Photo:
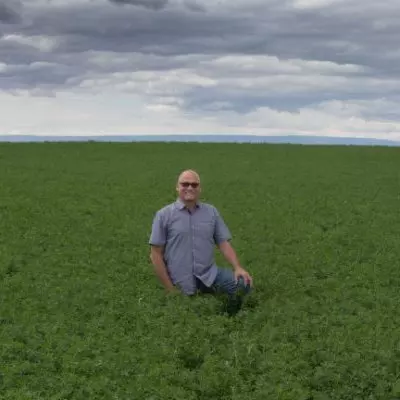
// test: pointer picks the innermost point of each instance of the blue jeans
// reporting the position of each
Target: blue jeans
(225, 283)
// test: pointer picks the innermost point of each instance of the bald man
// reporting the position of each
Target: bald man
(183, 237)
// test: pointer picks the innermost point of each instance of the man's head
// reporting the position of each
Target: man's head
(188, 186)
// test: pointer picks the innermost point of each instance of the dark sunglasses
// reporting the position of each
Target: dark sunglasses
(192, 184)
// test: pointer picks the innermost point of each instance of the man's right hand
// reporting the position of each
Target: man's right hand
(157, 259)
(172, 291)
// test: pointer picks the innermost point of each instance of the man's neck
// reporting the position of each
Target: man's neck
(190, 205)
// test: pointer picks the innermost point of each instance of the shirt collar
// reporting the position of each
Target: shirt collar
(181, 205)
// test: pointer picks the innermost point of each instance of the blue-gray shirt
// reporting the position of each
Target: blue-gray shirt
(189, 239)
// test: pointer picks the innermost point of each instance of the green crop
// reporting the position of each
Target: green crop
(82, 315)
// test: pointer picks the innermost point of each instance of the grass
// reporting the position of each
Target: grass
(82, 315)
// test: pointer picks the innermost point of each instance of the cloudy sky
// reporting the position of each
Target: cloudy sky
(318, 67)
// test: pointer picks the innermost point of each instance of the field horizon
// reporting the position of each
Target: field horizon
(307, 140)
(83, 316)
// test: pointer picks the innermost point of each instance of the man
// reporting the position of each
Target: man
(184, 235)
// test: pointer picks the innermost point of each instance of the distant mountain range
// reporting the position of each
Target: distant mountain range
(290, 139)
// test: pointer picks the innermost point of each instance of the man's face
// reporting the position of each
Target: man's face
(188, 187)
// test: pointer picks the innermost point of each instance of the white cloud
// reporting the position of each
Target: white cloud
(315, 3)
(325, 120)
(41, 43)
(113, 113)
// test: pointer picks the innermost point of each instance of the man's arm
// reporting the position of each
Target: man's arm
(230, 256)
(157, 259)
(229, 253)
(158, 239)
(222, 237)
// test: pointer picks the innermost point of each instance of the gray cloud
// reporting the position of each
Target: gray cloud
(9, 12)
(176, 37)
(330, 34)
(151, 4)
(157, 5)
(194, 6)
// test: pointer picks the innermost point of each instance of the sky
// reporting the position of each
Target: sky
(264, 67)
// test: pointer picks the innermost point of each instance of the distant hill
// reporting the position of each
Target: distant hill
(293, 139)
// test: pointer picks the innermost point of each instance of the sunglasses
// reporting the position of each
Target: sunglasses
(194, 185)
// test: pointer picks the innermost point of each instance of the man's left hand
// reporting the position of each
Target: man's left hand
(241, 272)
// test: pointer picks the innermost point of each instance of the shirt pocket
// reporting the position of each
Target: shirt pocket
(205, 229)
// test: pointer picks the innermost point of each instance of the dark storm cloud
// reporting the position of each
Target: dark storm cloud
(333, 34)
(169, 32)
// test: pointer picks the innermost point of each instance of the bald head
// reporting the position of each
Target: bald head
(189, 175)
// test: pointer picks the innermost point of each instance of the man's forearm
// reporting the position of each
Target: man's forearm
(229, 254)
(161, 271)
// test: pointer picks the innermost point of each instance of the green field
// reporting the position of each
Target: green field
(82, 315)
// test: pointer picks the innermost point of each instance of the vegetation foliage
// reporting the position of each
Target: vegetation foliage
(82, 315)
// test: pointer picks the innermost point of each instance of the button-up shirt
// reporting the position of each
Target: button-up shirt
(189, 239)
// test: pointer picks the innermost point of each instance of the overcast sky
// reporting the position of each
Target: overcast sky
(319, 67)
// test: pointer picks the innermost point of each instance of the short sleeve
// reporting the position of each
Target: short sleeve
(158, 231)
(221, 232)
